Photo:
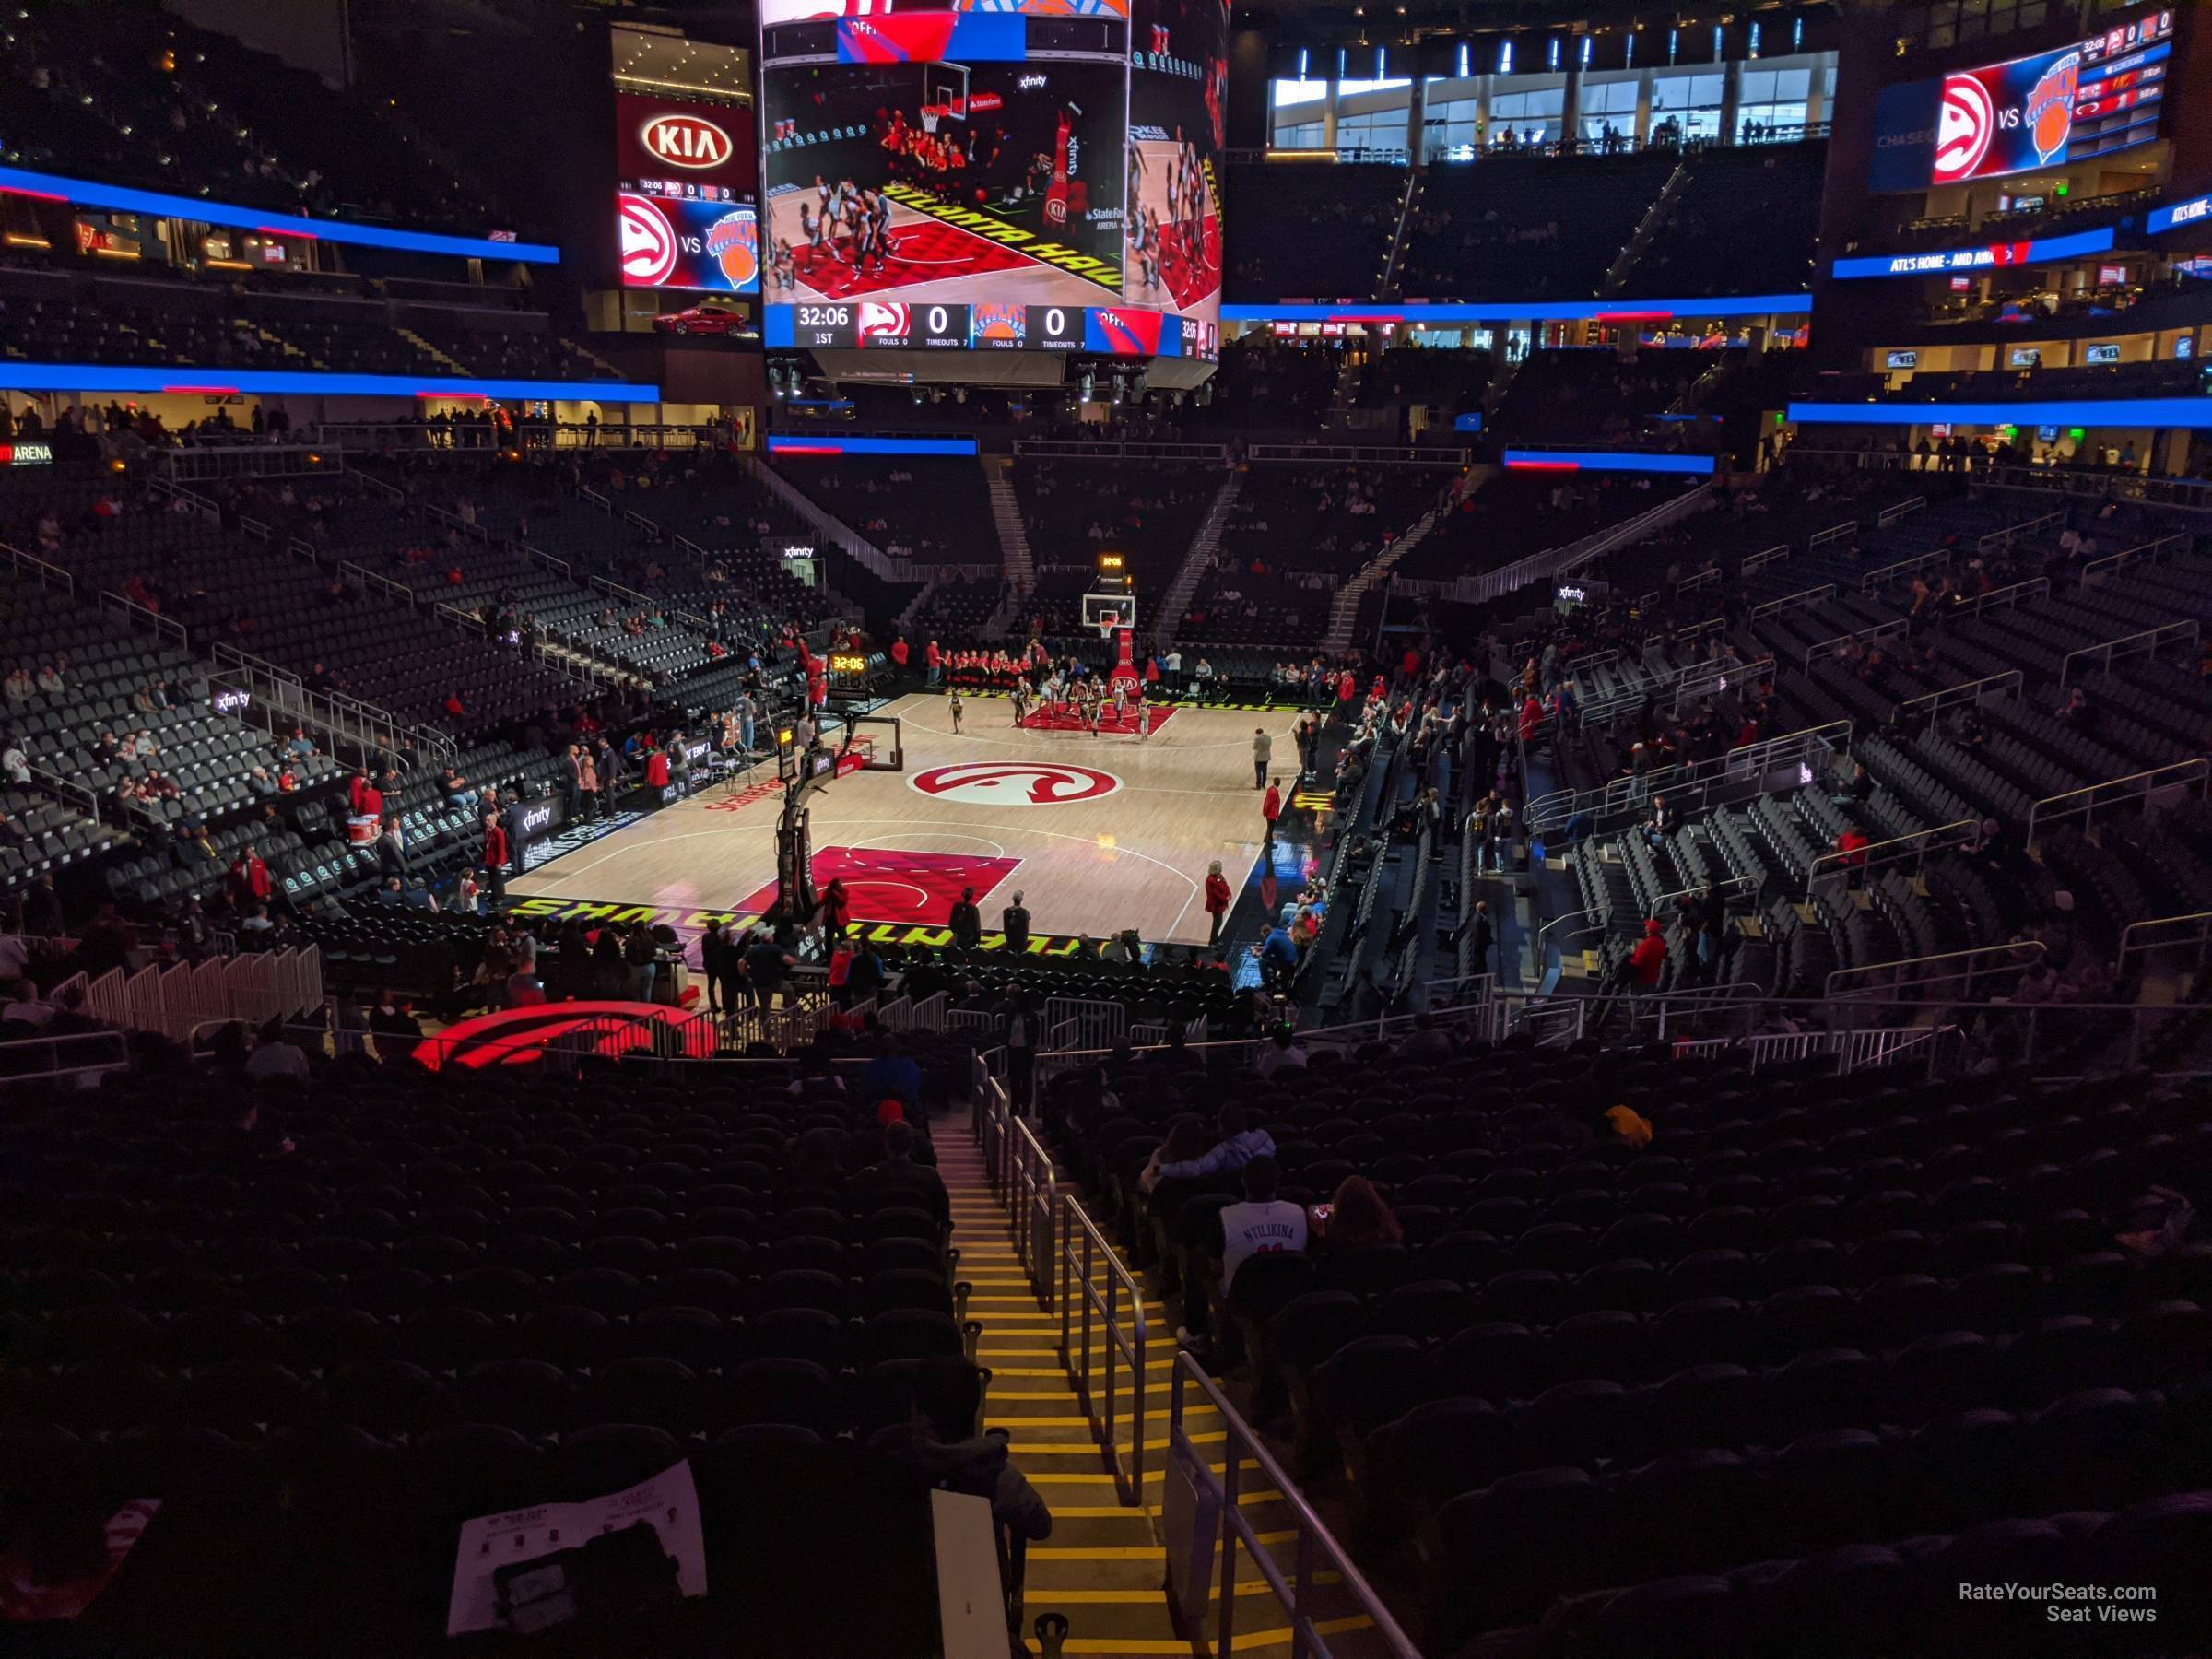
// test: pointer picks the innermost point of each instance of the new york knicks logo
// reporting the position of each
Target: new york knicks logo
(2050, 108)
(734, 243)
(1014, 783)
(1964, 127)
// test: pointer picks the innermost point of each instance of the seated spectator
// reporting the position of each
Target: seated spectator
(892, 1074)
(898, 1173)
(26, 1008)
(1236, 1147)
(1259, 1225)
(941, 1439)
(1356, 1219)
(272, 1056)
(1282, 1052)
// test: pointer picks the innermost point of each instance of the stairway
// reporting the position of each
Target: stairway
(430, 351)
(1344, 608)
(1102, 1566)
(1013, 554)
(1167, 616)
(1105, 1567)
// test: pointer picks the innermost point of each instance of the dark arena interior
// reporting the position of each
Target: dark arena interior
(953, 828)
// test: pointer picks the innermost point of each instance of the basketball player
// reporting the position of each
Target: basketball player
(1144, 722)
(879, 219)
(956, 706)
(1090, 710)
(1021, 700)
(810, 227)
(1121, 703)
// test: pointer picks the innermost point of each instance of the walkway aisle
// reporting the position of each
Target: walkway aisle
(1104, 1566)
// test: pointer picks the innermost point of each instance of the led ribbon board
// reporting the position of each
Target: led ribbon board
(117, 198)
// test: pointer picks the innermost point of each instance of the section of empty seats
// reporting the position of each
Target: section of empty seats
(1697, 247)
(1074, 510)
(1310, 230)
(928, 511)
(1297, 533)
(1523, 228)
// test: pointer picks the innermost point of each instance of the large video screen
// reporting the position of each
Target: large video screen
(937, 180)
(686, 208)
(1178, 129)
(2092, 99)
(800, 11)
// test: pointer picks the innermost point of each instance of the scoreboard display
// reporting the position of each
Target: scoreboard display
(949, 325)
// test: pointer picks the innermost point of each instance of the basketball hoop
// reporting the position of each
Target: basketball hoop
(931, 115)
(1109, 625)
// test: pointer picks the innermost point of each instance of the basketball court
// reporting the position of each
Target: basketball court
(1100, 834)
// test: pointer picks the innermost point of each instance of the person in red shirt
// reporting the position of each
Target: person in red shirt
(1216, 900)
(1852, 844)
(1410, 664)
(495, 859)
(364, 798)
(1532, 719)
(656, 769)
(835, 907)
(900, 654)
(1347, 687)
(933, 660)
(1640, 970)
(1271, 808)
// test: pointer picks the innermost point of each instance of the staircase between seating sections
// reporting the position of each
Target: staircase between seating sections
(1049, 1291)
(429, 350)
(826, 524)
(1013, 551)
(1167, 616)
(1344, 609)
(1646, 228)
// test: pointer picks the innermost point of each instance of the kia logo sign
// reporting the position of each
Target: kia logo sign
(1963, 128)
(685, 141)
(648, 242)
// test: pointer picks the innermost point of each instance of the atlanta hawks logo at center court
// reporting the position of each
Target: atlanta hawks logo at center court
(1014, 783)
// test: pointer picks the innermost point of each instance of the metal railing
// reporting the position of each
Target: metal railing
(1197, 1564)
(147, 621)
(2166, 932)
(1799, 600)
(1916, 846)
(1694, 779)
(2004, 598)
(1890, 514)
(2149, 552)
(1970, 691)
(2012, 533)
(1875, 580)
(84, 1055)
(1834, 533)
(1752, 563)
(1956, 970)
(2084, 804)
(1084, 1256)
(1834, 645)
(52, 575)
(2150, 640)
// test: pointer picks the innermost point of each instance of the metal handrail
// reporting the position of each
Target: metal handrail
(2152, 640)
(2011, 679)
(1129, 1338)
(2029, 951)
(2178, 774)
(2150, 550)
(116, 1045)
(2019, 592)
(1315, 1540)
(1862, 858)
(1739, 764)
(2200, 920)
(1752, 563)
(1799, 600)
(1033, 1219)
(52, 575)
(1939, 558)
(1889, 515)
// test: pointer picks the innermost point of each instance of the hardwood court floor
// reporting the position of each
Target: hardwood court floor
(1099, 833)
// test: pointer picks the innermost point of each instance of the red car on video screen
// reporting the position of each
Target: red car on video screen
(709, 318)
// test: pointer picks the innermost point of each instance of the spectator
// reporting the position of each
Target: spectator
(1236, 1147)
(1187, 1142)
(766, 968)
(966, 922)
(1282, 1052)
(1271, 808)
(272, 1056)
(940, 1438)
(1014, 925)
(1259, 1225)
(1216, 900)
(1263, 749)
(899, 1171)
(891, 1074)
(1357, 1219)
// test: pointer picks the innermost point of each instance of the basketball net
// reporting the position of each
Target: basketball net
(931, 115)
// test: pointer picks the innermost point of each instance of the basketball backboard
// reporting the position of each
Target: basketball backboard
(1101, 610)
